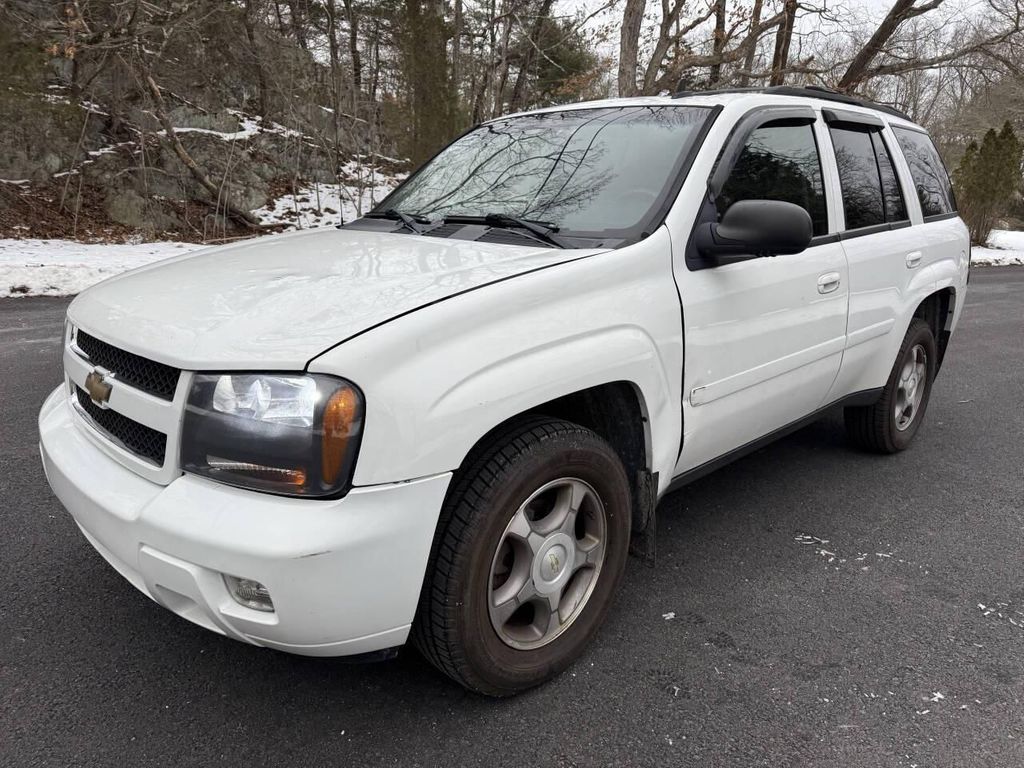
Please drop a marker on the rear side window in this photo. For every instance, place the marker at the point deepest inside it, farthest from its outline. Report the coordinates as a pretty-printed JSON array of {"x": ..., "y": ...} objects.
[
  {"x": 930, "y": 178},
  {"x": 779, "y": 161},
  {"x": 858, "y": 178},
  {"x": 892, "y": 194},
  {"x": 871, "y": 192}
]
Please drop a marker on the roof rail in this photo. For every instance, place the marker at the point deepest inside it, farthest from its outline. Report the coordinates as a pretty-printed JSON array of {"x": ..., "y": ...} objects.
[{"x": 807, "y": 91}]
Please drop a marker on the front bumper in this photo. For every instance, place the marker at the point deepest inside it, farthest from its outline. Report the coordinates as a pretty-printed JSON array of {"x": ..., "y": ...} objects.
[{"x": 344, "y": 575}]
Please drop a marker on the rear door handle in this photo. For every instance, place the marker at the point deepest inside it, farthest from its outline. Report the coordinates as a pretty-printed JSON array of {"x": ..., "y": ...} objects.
[
  {"x": 913, "y": 259},
  {"x": 828, "y": 282}
]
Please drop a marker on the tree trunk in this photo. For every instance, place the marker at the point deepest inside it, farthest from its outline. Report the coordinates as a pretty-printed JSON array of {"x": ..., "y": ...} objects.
[
  {"x": 295, "y": 7},
  {"x": 457, "y": 48},
  {"x": 748, "y": 63},
  {"x": 425, "y": 58},
  {"x": 519, "y": 99},
  {"x": 262, "y": 102},
  {"x": 715, "y": 75},
  {"x": 629, "y": 43},
  {"x": 506, "y": 36},
  {"x": 783, "y": 37},
  {"x": 331, "y": 9},
  {"x": 375, "y": 47},
  {"x": 159, "y": 109},
  {"x": 353, "y": 52}
]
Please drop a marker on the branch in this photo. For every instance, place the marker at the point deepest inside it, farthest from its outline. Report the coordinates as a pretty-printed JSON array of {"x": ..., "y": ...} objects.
[{"x": 242, "y": 217}]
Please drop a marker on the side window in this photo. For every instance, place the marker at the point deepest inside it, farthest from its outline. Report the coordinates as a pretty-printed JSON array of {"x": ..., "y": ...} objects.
[
  {"x": 871, "y": 191},
  {"x": 858, "y": 177},
  {"x": 779, "y": 161},
  {"x": 895, "y": 205},
  {"x": 930, "y": 178}
]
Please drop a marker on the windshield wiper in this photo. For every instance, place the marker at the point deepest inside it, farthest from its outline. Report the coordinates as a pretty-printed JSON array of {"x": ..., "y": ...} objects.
[
  {"x": 538, "y": 230},
  {"x": 411, "y": 222}
]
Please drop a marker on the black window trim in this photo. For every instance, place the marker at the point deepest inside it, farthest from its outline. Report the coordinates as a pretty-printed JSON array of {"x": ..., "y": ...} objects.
[
  {"x": 749, "y": 122},
  {"x": 941, "y": 216},
  {"x": 874, "y": 229}
]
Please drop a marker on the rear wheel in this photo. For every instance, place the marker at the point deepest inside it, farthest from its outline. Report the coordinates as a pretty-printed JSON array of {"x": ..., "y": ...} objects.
[
  {"x": 890, "y": 424},
  {"x": 531, "y": 545}
]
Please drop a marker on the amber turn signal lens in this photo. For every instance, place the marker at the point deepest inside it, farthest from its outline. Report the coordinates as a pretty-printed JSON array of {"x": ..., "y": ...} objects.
[{"x": 339, "y": 413}]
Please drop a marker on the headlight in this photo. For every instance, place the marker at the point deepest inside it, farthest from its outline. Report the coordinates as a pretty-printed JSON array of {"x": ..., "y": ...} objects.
[{"x": 294, "y": 434}]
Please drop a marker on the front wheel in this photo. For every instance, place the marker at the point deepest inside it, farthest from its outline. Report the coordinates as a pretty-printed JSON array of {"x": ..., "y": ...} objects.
[
  {"x": 890, "y": 424},
  {"x": 531, "y": 545}
]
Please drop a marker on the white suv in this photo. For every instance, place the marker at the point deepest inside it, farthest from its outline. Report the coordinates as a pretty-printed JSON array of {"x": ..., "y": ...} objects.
[{"x": 448, "y": 420}]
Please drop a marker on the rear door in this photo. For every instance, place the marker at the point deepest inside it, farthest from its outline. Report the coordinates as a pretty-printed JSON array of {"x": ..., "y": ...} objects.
[
  {"x": 764, "y": 337},
  {"x": 883, "y": 250}
]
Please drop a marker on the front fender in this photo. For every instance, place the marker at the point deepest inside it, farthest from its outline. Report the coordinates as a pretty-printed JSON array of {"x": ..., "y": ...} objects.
[{"x": 439, "y": 379}]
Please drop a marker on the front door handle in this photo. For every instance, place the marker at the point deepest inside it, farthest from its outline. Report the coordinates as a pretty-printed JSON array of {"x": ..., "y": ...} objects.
[
  {"x": 828, "y": 282},
  {"x": 913, "y": 259}
]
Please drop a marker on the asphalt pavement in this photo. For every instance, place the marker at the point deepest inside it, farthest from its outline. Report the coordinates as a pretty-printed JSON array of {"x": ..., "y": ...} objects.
[{"x": 810, "y": 606}]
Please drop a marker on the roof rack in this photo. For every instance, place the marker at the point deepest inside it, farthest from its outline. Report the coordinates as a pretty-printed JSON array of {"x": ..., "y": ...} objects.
[{"x": 808, "y": 91}]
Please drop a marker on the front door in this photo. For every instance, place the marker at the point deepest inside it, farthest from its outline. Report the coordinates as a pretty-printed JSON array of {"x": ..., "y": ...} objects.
[{"x": 764, "y": 337}]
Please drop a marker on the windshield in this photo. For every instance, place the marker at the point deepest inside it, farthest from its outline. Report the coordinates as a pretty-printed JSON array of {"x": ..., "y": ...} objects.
[{"x": 588, "y": 172}]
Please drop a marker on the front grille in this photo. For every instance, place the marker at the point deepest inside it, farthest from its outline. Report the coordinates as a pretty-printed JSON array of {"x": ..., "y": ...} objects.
[
  {"x": 135, "y": 371},
  {"x": 137, "y": 438}
]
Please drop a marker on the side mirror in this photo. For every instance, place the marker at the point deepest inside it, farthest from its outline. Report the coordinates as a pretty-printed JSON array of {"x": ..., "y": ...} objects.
[{"x": 751, "y": 229}]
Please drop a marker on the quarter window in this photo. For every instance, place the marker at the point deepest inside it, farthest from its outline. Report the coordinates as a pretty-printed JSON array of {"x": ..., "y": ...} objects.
[
  {"x": 779, "y": 161},
  {"x": 871, "y": 191},
  {"x": 930, "y": 178}
]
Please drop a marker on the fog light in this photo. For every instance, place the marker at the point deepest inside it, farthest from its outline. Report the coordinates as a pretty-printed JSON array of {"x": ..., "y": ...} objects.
[{"x": 249, "y": 593}]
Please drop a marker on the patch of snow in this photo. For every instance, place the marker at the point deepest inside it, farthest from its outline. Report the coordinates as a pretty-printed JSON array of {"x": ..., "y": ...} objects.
[
  {"x": 247, "y": 131},
  {"x": 248, "y": 127},
  {"x": 1005, "y": 248},
  {"x": 325, "y": 205},
  {"x": 64, "y": 267},
  {"x": 261, "y": 124},
  {"x": 15, "y": 182}
]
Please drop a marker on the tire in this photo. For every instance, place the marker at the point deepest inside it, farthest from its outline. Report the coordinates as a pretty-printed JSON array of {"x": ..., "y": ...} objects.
[
  {"x": 878, "y": 428},
  {"x": 490, "y": 545}
]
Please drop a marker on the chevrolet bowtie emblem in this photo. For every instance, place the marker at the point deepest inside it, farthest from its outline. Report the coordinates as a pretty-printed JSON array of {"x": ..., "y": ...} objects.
[
  {"x": 554, "y": 562},
  {"x": 98, "y": 387}
]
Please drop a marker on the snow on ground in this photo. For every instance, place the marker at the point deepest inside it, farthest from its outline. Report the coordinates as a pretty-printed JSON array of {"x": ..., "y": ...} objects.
[
  {"x": 64, "y": 267},
  {"x": 1005, "y": 248},
  {"x": 320, "y": 205}
]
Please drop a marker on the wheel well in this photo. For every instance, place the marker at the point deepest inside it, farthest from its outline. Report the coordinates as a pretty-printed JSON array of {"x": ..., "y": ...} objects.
[
  {"x": 615, "y": 412},
  {"x": 937, "y": 311}
]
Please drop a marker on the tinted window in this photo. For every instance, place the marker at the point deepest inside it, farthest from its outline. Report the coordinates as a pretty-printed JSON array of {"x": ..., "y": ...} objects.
[
  {"x": 858, "y": 177},
  {"x": 779, "y": 162},
  {"x": 597, "y": 172},
  {"x": 930, "y": 177},
  {"x": 895, "y": 207}
]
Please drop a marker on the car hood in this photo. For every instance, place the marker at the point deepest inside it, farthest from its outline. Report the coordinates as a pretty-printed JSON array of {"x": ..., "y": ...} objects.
[{"x": 277, "y": 302}]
